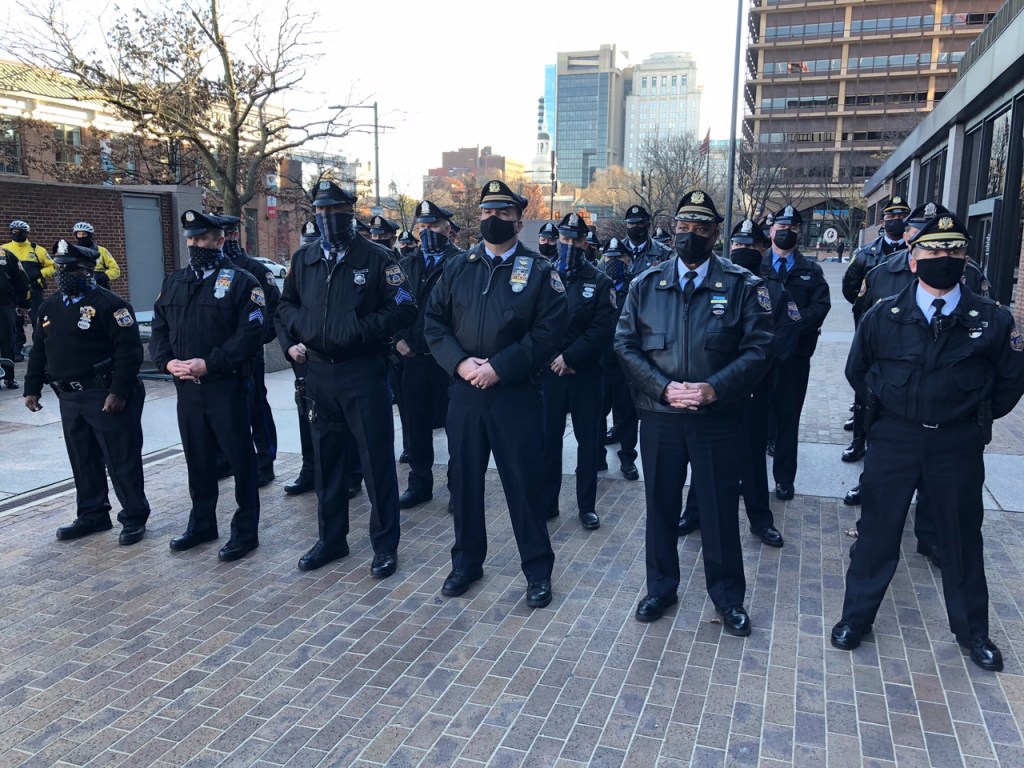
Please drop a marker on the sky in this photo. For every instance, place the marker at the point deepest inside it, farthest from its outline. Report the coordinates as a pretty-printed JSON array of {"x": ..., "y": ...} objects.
[{"x": 463, "y": 73}]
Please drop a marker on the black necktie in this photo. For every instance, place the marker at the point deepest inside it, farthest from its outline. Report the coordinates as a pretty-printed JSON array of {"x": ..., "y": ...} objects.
[
  {"x": 689, "y": 286},
  {"x": 936, "y": 323},
  {"x": 430, "y": 262},
  {"x": 782, "y": 269},
  {"x": 497, "y": 261}
]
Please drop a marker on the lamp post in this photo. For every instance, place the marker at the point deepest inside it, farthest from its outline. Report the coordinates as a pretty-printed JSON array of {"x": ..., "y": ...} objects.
[
  {"x": 731, "y": 175},
  {"x": 376, "y": 142}
]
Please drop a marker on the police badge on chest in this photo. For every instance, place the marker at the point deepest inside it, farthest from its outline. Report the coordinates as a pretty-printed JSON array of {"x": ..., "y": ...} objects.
[{"x": 85, "y": 320}]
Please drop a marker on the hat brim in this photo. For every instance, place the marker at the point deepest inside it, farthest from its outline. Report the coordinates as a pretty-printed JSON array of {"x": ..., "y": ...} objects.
[
  {"x": 500, "y": 204},
  {"x": 196, "y": 231},
  {"x": 326, "y": 202},
  {"x": 636, "y": 219}
]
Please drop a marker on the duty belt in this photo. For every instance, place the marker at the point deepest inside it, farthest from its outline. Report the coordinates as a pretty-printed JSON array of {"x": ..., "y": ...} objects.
[{"x": 81, "y": 384}]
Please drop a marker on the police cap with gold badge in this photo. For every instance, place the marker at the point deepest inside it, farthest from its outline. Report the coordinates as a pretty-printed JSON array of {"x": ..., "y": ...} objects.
[
  {"x": 381, "y": 226},
  {"x": 65, "y": 252},
  {"x": 549, "y": 230},
  {"x": 405, "y": 238},
  {"x": 428, "y": 212},
  {"x": 944, "y": 232},
  {"x": 327, "y": 193},
  {"x": 636, "y": 214},
  {"x": 788, "y": 215},
  {"x": 573, "y": 226},
  {"x": 748, "y": 233},
  {"x": 698, "y": 206},
  {"x": 496, "y": 194},
  {"x": 896, "y": 204},
  {"x": 196, "y": 223},
  {"x": 925, "y": 213}
]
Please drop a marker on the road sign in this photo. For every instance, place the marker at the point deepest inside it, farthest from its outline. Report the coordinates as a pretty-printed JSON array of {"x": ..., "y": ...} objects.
[{"x": 830, "y": 235}]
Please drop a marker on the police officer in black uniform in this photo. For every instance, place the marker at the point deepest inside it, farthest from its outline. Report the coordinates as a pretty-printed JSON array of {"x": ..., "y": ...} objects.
[
  {"x": 644, "y": 251},
  {"x": 207, "y": 330},
  {"x": 748, "y": 246},
  {"x": 494, "y": 320},
  {"x": 806, "y": 285},
  {"x": 14, "y": 291},
  {"x": 343, "y": 299},
  {"x": 424, "y": 383},
  {"x": 87, "y": 348},
  {"x": 383, "y": 232},
  {"x": 406, "y": 243},
  {"x": 594, "y": 247},
  {"x": 572, "y": 383},
  {"x": 662, "y": 236},
  {"x": 695, "y": 338},
  {"x": 264, "y": 431},
  {"x": 894, "y": 212},
  {"x": 547, "y": 240},
  {"x": 936, "y": 364}
]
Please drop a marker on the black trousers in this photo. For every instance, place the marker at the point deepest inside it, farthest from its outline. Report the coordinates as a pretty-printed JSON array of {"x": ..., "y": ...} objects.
[
  {"x": 619, "y": 400},
  {"x": 213, "y": 415},
  {"x": 579, "y": 396},
  {"x": 261, "y": 418},
  {"x": 949, "y": 463},
  {"x": 423, "y": 382},
  {"x": 35, "y": 301},
  {"x": 352, "y": 415},
  {"x": 753, "y": 465},
  {"x": 506, "y": 420},
  {"x": 788, "y": 401},
  {"x": 98, "y": 443},
  {"x": 398, "y": 396},
  {"x": 305, "y": 435},
  {"x": 707, "y": 443},
  {"x": 8, "y": 323}
]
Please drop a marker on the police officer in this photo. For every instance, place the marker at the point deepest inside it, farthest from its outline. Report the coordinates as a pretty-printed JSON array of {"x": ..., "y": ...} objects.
[
  {"x": 207, "y": 329},
  {"x": 661, "y": 235},
  {"x": 806, "y": 285},
  {"x": 547, "y": 240},
  {"x": 594, "y": 247},
  {"x": 748, "y": 245},
  {"x": 106, "y": 267},
  {"x": 38, "y": 266},
  {"x": 617, "y": 396},
  {"x": 695, "y": 338},
  {"x": 87, "y": 348},
  {"x": 424, "y": 382},
  {"x": 264, "y": 431},
  {"x": 894, "y": 212},
  {"x": 383, "y": 232},
  {"x": 644, "y": 251},
  {"x": 494, "y": 320},
  {"x": 572, "y": 383},
  {"x": 14, "y": 293},
  {"x": 936, "y": 364},
  {"x": 343, "y": 299},
  {"x": 406, "y": 243}
]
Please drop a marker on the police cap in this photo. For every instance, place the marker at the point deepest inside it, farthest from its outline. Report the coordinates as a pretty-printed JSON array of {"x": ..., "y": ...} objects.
[
  {"x": 381, "y": 226},
  {"x": 896, "y": 204},
  {"x": 362, "y": 228},
  {"x": 697, "y": 206},
  {"x": 428, "y": 212},
  {"x": 405, "y": 238},
  {"x": 72, "y": 253},
  {"x": 661, "y": 236},
  {"x": 637, "y": 214},
  {"x": 615, "y": 248},
  {"x": 328, "y": 193},
  {"x": 592, "y": 240},
  {"x": 229, "y": 223},
  {"x": 496, "y": 194},
  {"x": 944, "y": 232},
  {"x": 549, "y": 230},
  {"x": 748, "y": 233},
  {"x": 573, "y": 226},
  {"x": 789, "y": 215},
  {"x": 925, "y": 213},
  {"x": 455, "y": 227},
  {"x": 196, "y": 223}
]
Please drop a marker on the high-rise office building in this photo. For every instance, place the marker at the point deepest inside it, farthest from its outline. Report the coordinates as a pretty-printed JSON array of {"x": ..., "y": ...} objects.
[
  {"x": 664, "y": 101},
  {"x": 589, "y": 114},
  {"x": 550, "y": 87}
]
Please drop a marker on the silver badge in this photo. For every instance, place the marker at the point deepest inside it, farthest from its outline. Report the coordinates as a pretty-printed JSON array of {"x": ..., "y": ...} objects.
[
  {"x": 588, "y": 290},
  {"x": 359, "y": 279}
]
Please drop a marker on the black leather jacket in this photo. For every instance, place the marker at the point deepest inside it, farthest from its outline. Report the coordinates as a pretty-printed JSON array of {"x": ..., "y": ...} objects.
[
  {"x": 475, "y": 311},
  {"x": 806, "y": 286},
  {"x": 592, "y": 312},
  {"x": 863, "y": 261},
  {"x": 422, "y": 283},
  {"x": 723, "y": 337},
  {"x": 653, "y": 254}
]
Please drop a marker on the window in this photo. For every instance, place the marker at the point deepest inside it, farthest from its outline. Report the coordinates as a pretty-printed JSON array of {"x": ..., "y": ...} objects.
[
  {"x": 998, "y": 136},
  {"x": 68, "y": 139},
  {"x": 10, "y": 147},
  {"x": 826, "y": 29}
]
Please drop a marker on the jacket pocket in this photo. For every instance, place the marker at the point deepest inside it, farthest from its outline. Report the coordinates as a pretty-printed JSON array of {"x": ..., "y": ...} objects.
[
  {"x": 722, "y": 342},
  {"x": 652, "y": 341}
]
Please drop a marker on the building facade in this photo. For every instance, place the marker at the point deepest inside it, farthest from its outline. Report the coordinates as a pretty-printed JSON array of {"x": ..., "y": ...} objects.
[{"x": 664, "y": 100}]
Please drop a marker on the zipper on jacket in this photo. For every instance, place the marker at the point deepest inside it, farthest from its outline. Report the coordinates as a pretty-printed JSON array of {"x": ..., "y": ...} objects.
[{"x": 327, "y": 298}]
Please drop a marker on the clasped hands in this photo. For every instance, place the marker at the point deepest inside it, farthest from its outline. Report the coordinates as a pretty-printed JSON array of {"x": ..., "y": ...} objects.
[
  {"x": 478, "y": 372},
  {"x": 188, "y": 370},
  {"x": 689, "y": 396}
]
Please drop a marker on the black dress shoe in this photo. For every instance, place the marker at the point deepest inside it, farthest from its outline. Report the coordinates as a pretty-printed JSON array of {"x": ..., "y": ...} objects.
[
  {"x": 735, "y": 620},
  {"x": 848, "y": 426},
  {"x": 629, "y": 471},
  {"x": 384, "y": 564},
  {"x": 458, "y": 582},
  {"x": 846, "y": 635},
  {"x": 82, "y": 527},
  {"x": 931, "y": 551},
  {"x": 235, "y": 550},
  {"x": 264, "y": 477},
  {"x": 320, "y": 555},
  {"x": 784, "y": 491},
  {"x": 189, "y": 540},
  {"x": 538, "y": 593},
  {"x": 590, "y": 520},
  {"x": 984, "y": 653},
  {"x": 403, "y": 458},
  {"x": 852, "y": 497},
  {"x": 769, "y": 535},
  {"x": 301, "y": 484},
  {"x": 412, "y": 498},
  {"x": 652, "y": 608},
  {"x": 855, "y": 451},
  {"x": 131, "y": 534},
  {"x": 11, "y": 383},
  {"x": 688, "y": 524},
  {"x": 770, "y": 450},
  {"x": 353, "y": 490}
]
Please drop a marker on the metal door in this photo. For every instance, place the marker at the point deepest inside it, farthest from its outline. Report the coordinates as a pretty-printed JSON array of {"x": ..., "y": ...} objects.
[{"x": 144, "y": 244}]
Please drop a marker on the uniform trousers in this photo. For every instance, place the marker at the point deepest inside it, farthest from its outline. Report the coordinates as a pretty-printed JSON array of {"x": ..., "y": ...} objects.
[
  {"x": 212, "y": 415},
  {"x": 423, "y": 382},
  {"x": 264, "y": 431},
  {"x": 948, "y": 462},
  {"x": 788, "y": 401},
  {"x": 506, "y": 420},
  {"x": 98, "y": 443},
  {"x": 619, "y": 400},
  {"x": 305, "y": 436},
  {"x": 8, "y": 322},
  {"x": 577, "y": 395},
  {"x": 352, "y": 415},
  {"x": 707, "y": 443}
]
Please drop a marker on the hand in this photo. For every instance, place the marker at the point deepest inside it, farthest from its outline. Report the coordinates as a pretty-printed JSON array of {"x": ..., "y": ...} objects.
[
  {"x": 558, "y": 366},
  {"x": 32, "y": 403},
  {"x": 297, "y": 352},
  {"x": 197, "y": 367},
  {"x": 682, "y": 395},
  {"x": 484, "y": 376},
  {"x": 23, "y": 312},
  {"x": 179, "y": 370},
  {"x": 466, "y": 368},
  {"x": 113, "y": 403},
  {"x": 404, "y": 349}
]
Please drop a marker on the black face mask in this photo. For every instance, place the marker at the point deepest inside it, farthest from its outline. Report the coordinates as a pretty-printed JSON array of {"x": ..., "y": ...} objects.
[
  {"x": 203, "y": 259},
  {"x": 748, "y": 258},
  {"x": 637, "y": 233},
  {"x": 407, "y": 249},
  {"x": 433, "y": 242},
  {"x": 942, "y": 273},
  {"x": 894, "y": 228},
  {"x": 616, "y": 270},
  {"x": 232, "y": 249},
  {"x": 86, "y": 242},
  {"x": 75, "y": 284},
  {"x": 497, "y": 231},
  {"x": 692, "y": 248},
  {"x": 19, "y": 236},
  {"x": 548, "y": 249},
  {"x": 785, "y": 239}
]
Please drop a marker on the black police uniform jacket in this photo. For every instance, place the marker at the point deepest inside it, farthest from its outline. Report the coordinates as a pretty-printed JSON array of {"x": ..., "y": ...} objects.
[
  {"x": 14, "y": 285},
  {"x": 654, "y": 253},
  {"x": 806, "y": 285},
  {"x": 475, "y": 311},
  {"x": 218, "y": 318},
  {"x": 422, "y": 281},
  {"x": 893, "y": 275},
  {"x": 863, "y": 261},
  {"x": 978, "y": 356},
  {"x": 609, "y": 360},
  {"x": 96, "y": 335},
  {"x": 344, "y": 308},
  {"x": 785, "y": 315},
  {"x": 271, "y": 292},
  {"x": 724, "y": 337},
  {"x": 593, "y": 311}
]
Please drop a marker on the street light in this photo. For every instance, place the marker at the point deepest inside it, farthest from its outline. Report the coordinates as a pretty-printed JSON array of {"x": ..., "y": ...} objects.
[{"x": 376, "y": 142}]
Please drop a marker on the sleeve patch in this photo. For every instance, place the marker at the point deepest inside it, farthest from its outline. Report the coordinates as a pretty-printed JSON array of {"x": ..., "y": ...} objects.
[
  {"x": 258, "y": 298},
  {"x": 402, "y": 296},
  {"x": 124, "y": 318},
  {"x": 793, "y": 311},
  {"x": 556, "y": 282},
  {"x": 256, "y": 316},
  {"x": 763, "y": 298},
  {"x": 393, "y": 275},
  {"x": 1016, "y": 340}
]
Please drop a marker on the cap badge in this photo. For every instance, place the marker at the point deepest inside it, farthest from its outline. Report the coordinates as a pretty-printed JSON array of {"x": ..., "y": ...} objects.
[
  {"x": 62, "y": 248},
  {"x": 789, "y": 211},
  {"x": 425, "y": 207},
  {"x": 697, "y": 197},
  {"x": 377, "y": 221},
  {"x": 574, "y": 220},
  {"x": 325, "y": 185},
  {"x": 634, "y": 209},
  {"x": 309, "y": 228},
  {"x": 747, "y": 227},
  {"x": 930, "y": 210},
  {"x": 494, "y": 187},
  {"x": 945, "y": 223},
  {"x": 189, "y": 216},
  {"x": 897, "y": 201}
]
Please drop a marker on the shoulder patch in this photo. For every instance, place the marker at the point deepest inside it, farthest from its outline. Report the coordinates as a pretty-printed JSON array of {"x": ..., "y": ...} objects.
[
  {"x": 1016, "y": 340},
  {"x": 124, "y": 318},
  {"x": 556, "y": 282},
  {"x": 258, "y": 298},
  {"x": 393, "y": 274},
  {"x": 793, "y": 311},
  {"x": 763, "y": 298}
]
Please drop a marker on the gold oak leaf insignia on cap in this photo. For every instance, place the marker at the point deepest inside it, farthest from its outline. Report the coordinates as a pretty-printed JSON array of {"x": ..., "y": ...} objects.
[
  {"x": 494, "y": 187},
  {"x": 697, "y": 197},
  {"x": 945, "y": 223}
]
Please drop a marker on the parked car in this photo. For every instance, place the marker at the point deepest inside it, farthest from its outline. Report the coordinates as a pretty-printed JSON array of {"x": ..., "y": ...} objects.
[{"x": 279, "y": 270}]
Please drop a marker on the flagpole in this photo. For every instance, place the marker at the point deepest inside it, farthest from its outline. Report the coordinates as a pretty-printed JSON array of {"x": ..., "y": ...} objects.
[{"x": 730, "y": 177}]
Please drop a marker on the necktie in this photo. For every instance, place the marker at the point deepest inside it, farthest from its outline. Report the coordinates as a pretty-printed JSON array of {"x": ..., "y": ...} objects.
[
  {"x": 781, "y": 269},
  {"x": 430, "y": 261},
  {"x": 936, "y": 323},
  {"x": 497, "y": 261},
  {"x": 689, "y": 286}
]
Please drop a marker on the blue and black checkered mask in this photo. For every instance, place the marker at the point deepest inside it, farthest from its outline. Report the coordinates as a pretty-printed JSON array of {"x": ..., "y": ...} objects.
[
  {"x": 569, "y": 259},
  {"x": 233, "y": 249},
  {"x": 337, "y": 229},
  {"x": 433, "y": 242}
]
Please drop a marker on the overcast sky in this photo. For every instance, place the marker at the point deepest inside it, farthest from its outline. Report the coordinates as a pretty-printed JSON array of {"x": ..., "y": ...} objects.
[{"x": 461, "y": 73}]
